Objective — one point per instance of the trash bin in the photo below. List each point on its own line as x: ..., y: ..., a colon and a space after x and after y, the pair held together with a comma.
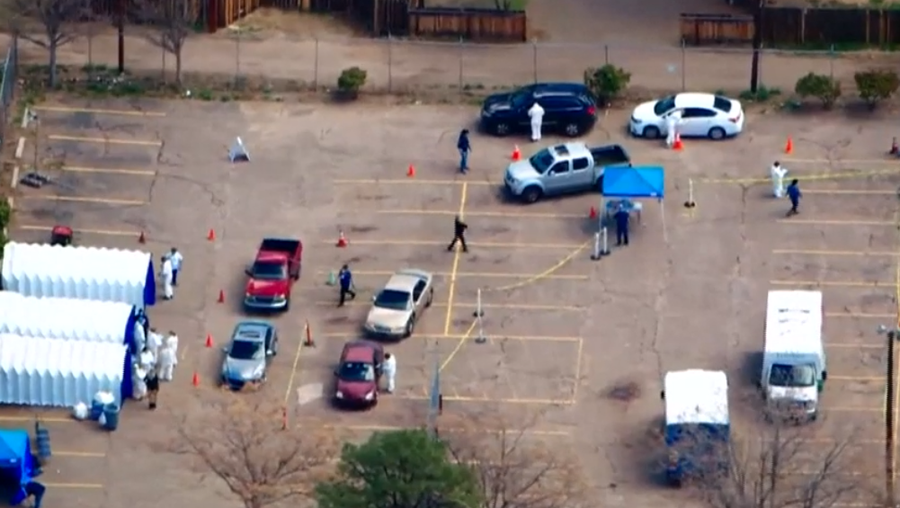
x: 111, y: 415
x: 42, y: 439
x: 99, y: 402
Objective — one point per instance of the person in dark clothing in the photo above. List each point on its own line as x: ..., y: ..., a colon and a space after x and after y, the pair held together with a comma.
x: 152, y: 381
x: 459, y: 234
x: 621, y: 218
x: 794, y: 194
x: 345, y: 277
x: 462, y: 144
x: 37, y: 490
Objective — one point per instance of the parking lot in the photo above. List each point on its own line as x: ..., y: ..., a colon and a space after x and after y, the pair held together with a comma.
x: 579, y: 345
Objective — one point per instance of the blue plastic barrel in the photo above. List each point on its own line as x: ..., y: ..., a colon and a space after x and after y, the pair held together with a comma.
x: 96, y: 409
x: 111, y: 414
x: 42, y: 438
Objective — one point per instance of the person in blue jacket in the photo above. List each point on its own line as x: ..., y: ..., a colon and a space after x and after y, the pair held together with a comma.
x: 621, y: 218
x: 345, y: 278
x: 794, y: 194
x: 465, y: 148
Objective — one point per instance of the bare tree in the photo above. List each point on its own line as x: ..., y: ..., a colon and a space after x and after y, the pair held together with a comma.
x: 514, y: 467
x: 57, y: 17
x: 172, y: 22
x: 246, y: 447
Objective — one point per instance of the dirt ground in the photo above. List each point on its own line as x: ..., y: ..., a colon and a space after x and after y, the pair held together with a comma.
x: 581, y: 345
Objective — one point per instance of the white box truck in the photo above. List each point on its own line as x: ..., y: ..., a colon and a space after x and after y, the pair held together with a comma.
x: 794, y: 367
x: 697, y: 425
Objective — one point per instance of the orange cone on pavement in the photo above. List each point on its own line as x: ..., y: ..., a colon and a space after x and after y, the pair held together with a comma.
x: 196, y: 379
x: 211, y: 236
x: 308, y: 340
x: 342, y: 240
x: 142, y: 238
x: 677, y: 145
x: 593, y: 213
x: 516, y: 154
x: 221, y: 296
x: 410, y: 171
x: 789, y: 146
x: 209, y: 341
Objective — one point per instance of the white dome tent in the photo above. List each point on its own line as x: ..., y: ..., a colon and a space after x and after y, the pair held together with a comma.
x: 60, y: 373
x: 84, y: 273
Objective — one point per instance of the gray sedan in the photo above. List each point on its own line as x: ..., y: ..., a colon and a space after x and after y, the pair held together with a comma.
x: 253, y: 345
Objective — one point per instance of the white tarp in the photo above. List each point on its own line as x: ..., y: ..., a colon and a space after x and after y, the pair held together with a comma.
x: 85, y: 273
x: 66, y: 318
x: 53, y: 372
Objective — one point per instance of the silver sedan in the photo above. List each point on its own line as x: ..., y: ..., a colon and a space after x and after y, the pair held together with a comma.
x: 399, y: 305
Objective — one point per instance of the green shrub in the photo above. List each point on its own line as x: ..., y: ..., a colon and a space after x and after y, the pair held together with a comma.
x: 607, y: 82
x: 351, y: 80
x: 820, y: 86
x: 763, y: 93
x: 5, y: 213
x: 876, y: 85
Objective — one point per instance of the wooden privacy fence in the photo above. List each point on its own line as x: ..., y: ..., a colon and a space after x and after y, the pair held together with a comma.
x: 471, y: 24
x: 712, y: 29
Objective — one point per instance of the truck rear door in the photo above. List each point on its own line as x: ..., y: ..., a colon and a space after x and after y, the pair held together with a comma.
x: 582, y: 174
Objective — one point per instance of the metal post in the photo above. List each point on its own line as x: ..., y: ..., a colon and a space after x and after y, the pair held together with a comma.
x: 480, y: 339
x: 120, y: 21
x: 534, y: 57
x: 595, y: 255
x: 37, y: 142
x: 889, y: 421
x: 237, y: 57
x: 831, y: 62
x: 390, y: 64
x: 460, y: 63
x: 479, y: 311
x: 606, y: 54
x: 604, y: 236
x: 316, y: 67
x: 683, y: 68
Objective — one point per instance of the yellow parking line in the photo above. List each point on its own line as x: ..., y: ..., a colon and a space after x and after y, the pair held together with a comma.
x: 892, y: 162
x: 30, y: 418
x: 96, y: 111
x: 102, y: 232
x: 859, y: 315
x: 110, y: 171
x: 833, y: 252
x: 109, y: 141
x: 814, y: 222
x: 854, y: 409
x: 829, y: 283
x: 480, y: 275
x: 451, y: 213
x: 86, y: 455
x: 490, y: 400
x: 856, y: 378
x: 520, y: 338
x: 486, y: 306
x: 851, y: 192
x: 851, y: 345
x: 388, y: 428
x: 84, y: 486
x: 441, y: 243
x: 72, y: 199
x: 410, y: 181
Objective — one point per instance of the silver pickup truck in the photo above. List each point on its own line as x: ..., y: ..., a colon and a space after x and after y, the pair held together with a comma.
x: 562, y: 169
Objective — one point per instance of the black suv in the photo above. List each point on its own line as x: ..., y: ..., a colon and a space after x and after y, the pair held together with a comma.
x: 569, y: 108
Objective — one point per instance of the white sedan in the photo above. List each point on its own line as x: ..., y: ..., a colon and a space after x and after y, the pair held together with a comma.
x: 702, y: 115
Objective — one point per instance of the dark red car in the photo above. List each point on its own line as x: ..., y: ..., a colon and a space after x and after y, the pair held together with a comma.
x: 358, y: 373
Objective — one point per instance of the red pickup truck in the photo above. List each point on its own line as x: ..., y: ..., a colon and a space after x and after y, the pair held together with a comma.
x: 276, y: 267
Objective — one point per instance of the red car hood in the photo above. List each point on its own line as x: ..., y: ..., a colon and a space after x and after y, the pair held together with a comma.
x: 355, y: 389
x: 258, y: 287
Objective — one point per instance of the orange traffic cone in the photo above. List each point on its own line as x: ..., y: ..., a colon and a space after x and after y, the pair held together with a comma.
x: 142, y: 238
x: 209, y: 341
x: 221, y: 296
x: 342, y: 240
x: 308, y: 340
x: 516, y: 154
x: 789, y: 146
x: 593, y: 213
x: 211, y: 236
x: 677, y: 145
x: 410, y: 171
x: 196, y: 379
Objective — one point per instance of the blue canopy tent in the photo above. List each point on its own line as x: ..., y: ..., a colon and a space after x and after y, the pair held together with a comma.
x: 16, y: 462
x: 634, y: 182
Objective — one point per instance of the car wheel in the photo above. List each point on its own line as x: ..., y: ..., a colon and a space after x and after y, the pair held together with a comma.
x: 410, y: 327
x: 651, y: 132
x: 430, y: 299
x: 572, y: 130
x: 531, y: 194
x: 501, y: 129
x: 717, y: 133
x: 275, y: 349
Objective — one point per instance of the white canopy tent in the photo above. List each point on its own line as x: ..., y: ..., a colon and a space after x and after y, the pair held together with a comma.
x: 84, y: 273
x: 54, y: 372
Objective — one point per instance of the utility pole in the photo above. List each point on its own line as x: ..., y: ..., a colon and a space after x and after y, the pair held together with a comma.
x: 757, y: 45
x: 120, y: 21
x: 892, y: 335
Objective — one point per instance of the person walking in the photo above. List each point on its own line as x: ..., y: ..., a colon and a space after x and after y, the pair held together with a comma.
x: 166, y: 275
x: 154, y: 342
x: 152, y: 387
x: 672, y: 123
x: 459, y: 234
x: 345, y: 277
x: 536, y: 114
x: 177, y: 259
x: 621, y: 217
x: 171, y: 342
x: 166, y: 363
x: 465, y: 148
x: 33, y: 488
x: 777, y: 172
x: 389, y: 370
x: 794, y: 194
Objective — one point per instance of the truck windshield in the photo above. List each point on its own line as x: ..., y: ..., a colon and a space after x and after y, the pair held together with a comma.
x: 269, y: 271
x: 792, y: 376
x: 541, y: 161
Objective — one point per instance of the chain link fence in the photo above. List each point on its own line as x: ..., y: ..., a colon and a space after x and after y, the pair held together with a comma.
x: 8, y: 85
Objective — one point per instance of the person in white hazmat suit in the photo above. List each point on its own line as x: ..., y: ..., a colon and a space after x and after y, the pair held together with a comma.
x: 389, y: 371
x: 672, y: 123
x: 778, y: 172
x: 166, y: 275
x: 536, y: 114
x: 166, y: 363
x: 137, y: 380
x: 172, y: 343
x: 154, y: 342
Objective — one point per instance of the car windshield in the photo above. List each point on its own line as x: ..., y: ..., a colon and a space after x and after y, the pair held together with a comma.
x: 392, y: 299
x: 357, y: 371
x: 246, y: 350
x: 792, y: 376
x: 269, y: 271
x: 521, y: 99
x: 664, y: 105
x: 541, y: 161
